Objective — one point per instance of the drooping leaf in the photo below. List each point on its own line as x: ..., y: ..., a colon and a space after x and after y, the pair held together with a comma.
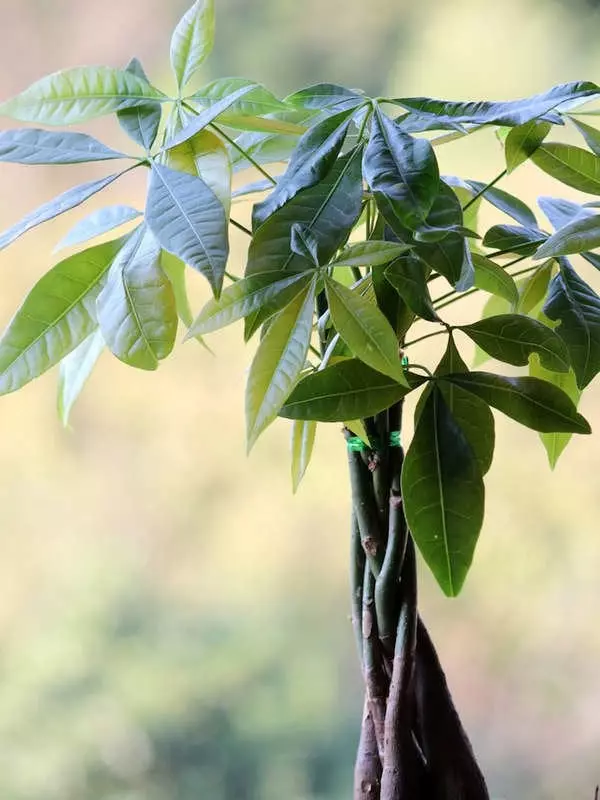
x: 514, y: 239
x: 515, y: 112
x: 513, y: 337
x: 192, y: 40
x: 373, y: 253
x: 59, y: 205
x: 346, y: 390
x: 506, y: 202
x: 303, y: 440
x: 573, y: 303
x: 325, y: 96
x: 188, y: 220
x: 258, y: 101
x: 75, y: 369
x: 56, y: 316
x: 560, y: 212
x: 98, y: 222
x: 408, y: 276
x: 136, y: 307
x: 533, y: 288
x: 262, y: 291
x: 278, y: 362
x: 571, y: 165
x: 443, y: 494
x: 582, y: 234
x: 35, y: 146
x: 328, y: 209
x: 364, y: 329
x: 141, y: 122
x: 472, y: 414
x: 76, y: 95
x: 555, y: 443
x: 312, y: 159
x: 492, y: 278
x: 446, y: 256
x: 530, y: 401
x: 590, y: 134
x: 524, y: 140
x: 402, y: 173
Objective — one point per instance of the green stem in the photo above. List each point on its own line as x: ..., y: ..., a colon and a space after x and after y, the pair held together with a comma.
x: 357, y: 574
x: 375, y: 680
x: 245, y: 153
x: 484, y: 190
x: 422, y: 338
x: 240, y: 227
x: 365, y: 509
x: 457, y: 297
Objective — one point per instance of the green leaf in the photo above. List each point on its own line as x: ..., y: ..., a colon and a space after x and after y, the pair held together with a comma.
x: 530, y: 401
x: 583, y: 233
x: 560, y: 212
x: 312, y: 159
x: 76, y: 95
x: 35, y: 146
x: 192, y: 41
x: 573, y: 303
x: 346, y: 390
x: 402, y: 173
x: 56, y: 316
x: 532, y: 289
x: 205, y: 156
x: 494, y: 306
x: 325, y: 96
x: 506, y: 202
x: 514, y: 239
x: 261, y: 124
x: 136, y: 307
x: 590, y: 134
x: 555, y: 443
x: 472, y: 414
x: 492, y: 278
x: 304, y: 243
x: 408, y: 275
x: 244, y: 297
x: 329, y: 209
x: 569, y: 164
x: 524, y: 140
x: 448, y: 255
x: 254, y: 103
x: 97, y: 223
x: 443, y: 494
x: 365, y: 330
x: 188, y: 220
x: 369, y: 254
x: 278, y: 362
x: 75, y: 369
x: 511, y: 113
x: 141, y: 123
x: 513, y: 337
x: 303, y: 440
x: 174, y: 269
x: 53, y: 208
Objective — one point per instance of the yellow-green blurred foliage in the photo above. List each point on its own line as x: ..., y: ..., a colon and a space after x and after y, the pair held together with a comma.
x: 174, y: 623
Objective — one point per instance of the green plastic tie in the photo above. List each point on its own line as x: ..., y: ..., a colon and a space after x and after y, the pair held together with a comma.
x: 395, y: 439
x: 404, y: 362
x: 356, y: 444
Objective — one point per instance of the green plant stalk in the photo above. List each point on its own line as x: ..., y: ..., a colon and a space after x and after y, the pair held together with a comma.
x: 480, y: 193
x: 365, y: 509
x: 357, y: 574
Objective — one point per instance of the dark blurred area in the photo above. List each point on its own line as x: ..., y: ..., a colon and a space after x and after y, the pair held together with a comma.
x: 174, y: 623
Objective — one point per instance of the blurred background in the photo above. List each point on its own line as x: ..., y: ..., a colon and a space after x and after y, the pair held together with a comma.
x: 174, y: 622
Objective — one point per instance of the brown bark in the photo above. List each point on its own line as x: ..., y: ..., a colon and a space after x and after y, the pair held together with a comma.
x: 367, y: 770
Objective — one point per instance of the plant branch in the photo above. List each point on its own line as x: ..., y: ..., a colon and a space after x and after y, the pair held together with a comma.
x: 484, y: 190
x: 422, y: 338
x: 240, y: 227
x: 245, y: 153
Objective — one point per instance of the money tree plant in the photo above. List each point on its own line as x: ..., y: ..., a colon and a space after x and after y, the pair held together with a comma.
x: 357, y: 245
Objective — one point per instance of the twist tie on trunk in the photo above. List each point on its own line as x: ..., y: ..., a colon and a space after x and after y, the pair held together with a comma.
x: 355, y: 443
x: 395, y: 439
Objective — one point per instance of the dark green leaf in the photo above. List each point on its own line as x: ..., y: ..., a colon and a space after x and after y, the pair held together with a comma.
x: 524, y: 140
x: 244, y: 297
x: 136, y: 307
x: 513, y: 337
x: 98, y: 222
x: 506, y: 202
x: 35, y: 146
x: 364, y: 329
x: 325, y: 96
x: 76, y: 95
x: 492, y: 278
x: 188, y: 220
x: 64, y: 202
x: 560, y: 212
x: 373, y: 253
x: 582, y: 234
x: 577, y: 307
x: 514, y: 112
x: 141, y: 123
x: 402, y: 172
x: 56, y: 316
x: 346, y: 390
x: 303, y: 440
x: 75, y: 369
x: 448, y: 255
x: 304, y: 243
x: 278, y: 362
x: 569, y: 164
x: 443, y: 494
x: 514, y: 239
x: 192, y: 40
x: 530, y: 401
x: 328, y: 209
x: 312, y: 159
x: 408, y: 275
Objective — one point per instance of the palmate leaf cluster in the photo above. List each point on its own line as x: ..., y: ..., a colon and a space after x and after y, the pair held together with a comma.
x: 356, y: 248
